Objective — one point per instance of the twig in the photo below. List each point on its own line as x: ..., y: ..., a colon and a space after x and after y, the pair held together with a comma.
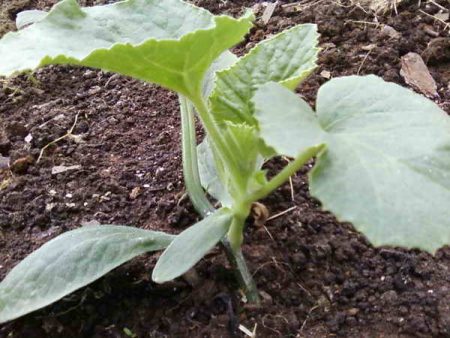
x: 437, y: 5
x: 446, y: 25
x: 69, y: 133
x: 363, y: 61
x: 281, y: 213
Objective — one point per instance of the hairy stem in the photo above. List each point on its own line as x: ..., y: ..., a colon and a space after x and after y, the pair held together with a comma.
x: 243, y: 275
x: 220, y: 147
x: 200, y: 201
x: 190, y: 160
x: 283, y: 175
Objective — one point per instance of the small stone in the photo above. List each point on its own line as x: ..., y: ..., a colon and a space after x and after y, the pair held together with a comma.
x: 4, y: 162
x: 49, y: 207
x: 391, y: 32
x: 325, y: 74
x: 417, y: 75
x: 28, y: 138
x: 353, y: 311
x: 135, y: 193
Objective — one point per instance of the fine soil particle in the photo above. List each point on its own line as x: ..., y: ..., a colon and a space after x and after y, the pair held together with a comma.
x: 317, y: 277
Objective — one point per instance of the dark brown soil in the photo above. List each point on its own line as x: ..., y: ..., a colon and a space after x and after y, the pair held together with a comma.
x: 318, y: 277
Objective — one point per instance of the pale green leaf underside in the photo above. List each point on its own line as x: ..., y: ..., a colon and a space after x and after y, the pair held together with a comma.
x: 191, y: 245
x: 387, y: 164
x: 168, y: 42
x: 71, y: 261
x: 287, y: 58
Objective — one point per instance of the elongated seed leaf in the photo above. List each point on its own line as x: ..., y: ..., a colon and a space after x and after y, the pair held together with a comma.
x: 191, y: 245
x: 70, y: 261
x: 168, y: 42
x: 387, y: 164
x: 288, y: 58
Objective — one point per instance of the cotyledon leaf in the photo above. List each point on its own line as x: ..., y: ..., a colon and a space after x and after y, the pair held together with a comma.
x: 169, y: 42
x: 191, y: 245
x: 71, y: 261
x: 287, y: 58
x: 386, y: 167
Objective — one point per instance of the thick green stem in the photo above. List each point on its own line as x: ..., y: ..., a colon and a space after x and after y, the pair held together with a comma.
x: 220, y: 147
x: 198, y: 196
x: 190, y: 160
x: 243, y: 275
x: 283, y: 175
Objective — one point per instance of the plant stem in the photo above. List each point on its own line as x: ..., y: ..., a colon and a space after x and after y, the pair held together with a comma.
x: 219, y: 145
x: 243, y: 275
x: 190, y: 160
x: 202, y: 204
x: 284, y: 174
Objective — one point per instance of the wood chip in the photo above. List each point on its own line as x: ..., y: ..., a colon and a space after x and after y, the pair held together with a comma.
x: 268, y: 12
x: 325, y: 74
x: 416, y: 74
x: 62, y: 168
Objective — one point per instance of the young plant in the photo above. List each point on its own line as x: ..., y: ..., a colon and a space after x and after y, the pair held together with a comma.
x: 383, y: 152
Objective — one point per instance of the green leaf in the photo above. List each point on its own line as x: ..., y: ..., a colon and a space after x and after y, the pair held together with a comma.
x: 168, y: 42
x: 191, y: 245
x: 71, y: 261
x: 287, y: 58
x: 387, y: 164
x: 26, y: 18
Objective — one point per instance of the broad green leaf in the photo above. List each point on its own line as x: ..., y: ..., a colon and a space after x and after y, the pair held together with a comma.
x: 26, y: 18
x: 288, y: 58
x: 170, y: 42
x: 387, y: 164
x: 191, y: 245
x: 71, y: 261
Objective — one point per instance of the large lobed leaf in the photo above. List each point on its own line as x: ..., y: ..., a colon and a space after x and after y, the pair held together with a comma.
x: 386, y: 168
x: 168, y: 42
x: 71, y: 261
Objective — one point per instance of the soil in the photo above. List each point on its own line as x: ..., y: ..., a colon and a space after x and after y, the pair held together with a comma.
x: 317, y: 277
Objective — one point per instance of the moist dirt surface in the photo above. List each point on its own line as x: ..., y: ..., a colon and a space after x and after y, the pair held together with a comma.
x: 317, y: 277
